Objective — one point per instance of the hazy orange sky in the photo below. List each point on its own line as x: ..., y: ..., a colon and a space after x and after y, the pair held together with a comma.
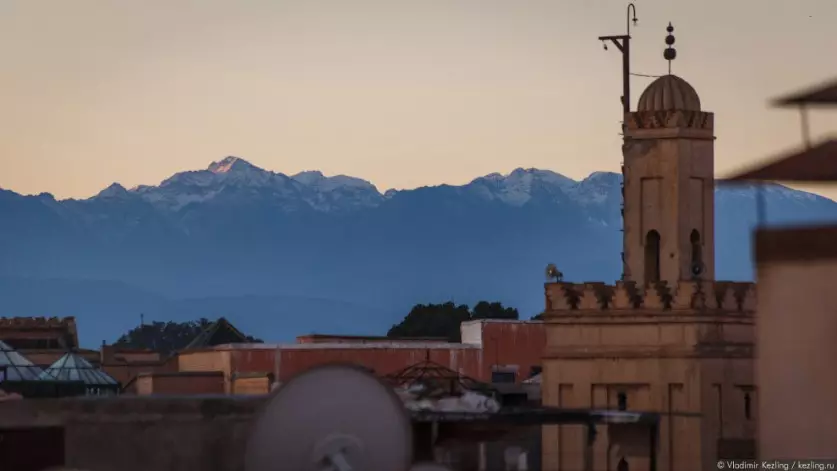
x: 400, y: 93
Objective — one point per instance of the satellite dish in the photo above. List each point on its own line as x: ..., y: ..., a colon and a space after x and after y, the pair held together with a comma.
x: 331, y: 418
x: 430, y: 467
x: 697, y: 269
x: 553, y: 273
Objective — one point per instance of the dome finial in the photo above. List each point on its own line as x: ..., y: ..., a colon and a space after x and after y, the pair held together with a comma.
x: 670, y: 53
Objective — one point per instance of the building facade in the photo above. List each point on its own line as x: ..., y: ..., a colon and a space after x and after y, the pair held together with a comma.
x: 667, y: 338
x: 491, y: 351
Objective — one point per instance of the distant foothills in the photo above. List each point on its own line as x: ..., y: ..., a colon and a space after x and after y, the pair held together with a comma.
x: 281, y: 256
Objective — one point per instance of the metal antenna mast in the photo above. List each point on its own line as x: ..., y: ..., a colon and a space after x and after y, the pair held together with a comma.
x: 623, y: 43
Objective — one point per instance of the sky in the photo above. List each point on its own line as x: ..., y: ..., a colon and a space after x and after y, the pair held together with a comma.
x: 400, y: 93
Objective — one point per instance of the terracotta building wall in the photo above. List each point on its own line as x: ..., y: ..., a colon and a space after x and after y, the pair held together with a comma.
x: 381, y: 359
x: 506, y: 344
x: 44, y: 357
x: 207, y: 361
x: 670, y: 356
x: 178, y: 383
x: 252, y: 385
x: 321, y: 338
x: 118, y: 354
x: 796, y: 269
x: 289, y: 360
x: 39, y: 332
x: 124, y: 372
x: 254, y: 360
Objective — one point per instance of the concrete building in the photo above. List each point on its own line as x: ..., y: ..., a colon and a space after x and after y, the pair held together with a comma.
x: 667, y: 338
x: 796, y: 345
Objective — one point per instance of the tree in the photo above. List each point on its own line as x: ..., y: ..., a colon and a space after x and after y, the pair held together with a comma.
x: 539, y: 317
x: 443, y: 320
x: 166, y: 337
x: 486, y: 310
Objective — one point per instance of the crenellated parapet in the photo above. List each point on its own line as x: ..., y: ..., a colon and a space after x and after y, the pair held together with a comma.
x: 716, y: 296
x: 31, y: 332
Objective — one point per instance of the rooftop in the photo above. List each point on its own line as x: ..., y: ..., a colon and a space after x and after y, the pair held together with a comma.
x: 395, y: 344
x: 669, y: 93
x: 72, y: 367
x: 501, y: 321
x: 367, y: 338
x: 15, y: 367
x: 219, y: 332
x: 822, y: 94
x: 814, y: 164
x: 35, y: 322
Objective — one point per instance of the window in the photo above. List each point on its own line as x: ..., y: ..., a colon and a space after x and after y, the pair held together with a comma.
x: 652, y: 256
x: 502, y: 376
x: 697, y: 252
x: 748, y: 404
x: 622, y: 401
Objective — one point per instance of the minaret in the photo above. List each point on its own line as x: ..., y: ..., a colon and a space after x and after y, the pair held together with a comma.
x: 669, y: 203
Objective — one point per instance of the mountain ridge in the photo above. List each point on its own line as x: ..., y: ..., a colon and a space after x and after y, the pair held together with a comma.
x: 242, y: 232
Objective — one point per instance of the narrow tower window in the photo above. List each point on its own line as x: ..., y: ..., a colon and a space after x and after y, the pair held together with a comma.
x: 652, y: 256
x: 697, y: 249
x: 747, y: 406
x: 622, y: 401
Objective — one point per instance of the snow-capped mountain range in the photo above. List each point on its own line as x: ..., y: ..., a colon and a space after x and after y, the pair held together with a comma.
x: 341, y: 192
x: 283, y: 255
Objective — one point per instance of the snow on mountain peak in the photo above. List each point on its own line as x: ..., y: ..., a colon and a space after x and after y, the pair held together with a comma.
x: 516, y: 188
x: 316, y: 179
x: 113, y: 191
x: 231, y: 164
x: 309, y: 177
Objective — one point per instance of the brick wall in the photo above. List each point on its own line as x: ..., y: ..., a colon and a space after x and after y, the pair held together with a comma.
x: 247, y: 386
x: 208, y: 382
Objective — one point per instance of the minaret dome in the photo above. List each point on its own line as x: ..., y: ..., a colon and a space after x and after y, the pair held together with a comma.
x: 669, y: 93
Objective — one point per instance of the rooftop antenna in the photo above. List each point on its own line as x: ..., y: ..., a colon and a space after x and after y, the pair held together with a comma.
x: 623, y: 43
x: 670, y: 53
x: 142, y: 319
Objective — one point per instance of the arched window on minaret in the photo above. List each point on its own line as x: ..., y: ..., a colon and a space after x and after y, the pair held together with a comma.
x: 652, y: 256
x: 697, y: 249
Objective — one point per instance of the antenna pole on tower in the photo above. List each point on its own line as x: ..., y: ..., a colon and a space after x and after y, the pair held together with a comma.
x: 623, y: 43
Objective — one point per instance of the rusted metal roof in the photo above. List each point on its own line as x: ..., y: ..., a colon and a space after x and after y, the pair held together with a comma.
x: 814, y: 164
x: 435, y: 376
x: 823, y: 94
